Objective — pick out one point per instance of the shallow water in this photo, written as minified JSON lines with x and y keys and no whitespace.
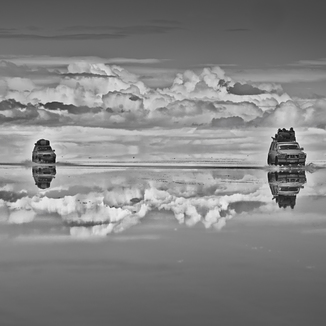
{"x":122,"y":246}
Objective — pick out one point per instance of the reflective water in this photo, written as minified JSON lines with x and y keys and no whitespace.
{"x":125,"y":246}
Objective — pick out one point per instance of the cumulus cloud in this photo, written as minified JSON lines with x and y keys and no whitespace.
{"x":282,"y":114}
{"x":114,"y":96}
{"x":96,"y":94}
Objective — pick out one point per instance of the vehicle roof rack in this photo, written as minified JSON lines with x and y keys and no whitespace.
{"x":284,"y":135}
{"x":43,"y":142}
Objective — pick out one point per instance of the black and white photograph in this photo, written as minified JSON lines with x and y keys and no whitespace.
{"x":162,"y":163}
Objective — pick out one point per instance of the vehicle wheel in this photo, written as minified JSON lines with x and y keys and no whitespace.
{"x":269,"y":161}
{"x":276,"y":161}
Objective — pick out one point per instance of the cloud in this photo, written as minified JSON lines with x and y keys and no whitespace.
{"x":284,"y":74}
{"x":30,"y":62}
{"x":134,"y":60}
{"x":93,"y":94}
{"x":127,"y":30}
{"x":19,"y":84}
{"x":58,"y":37}
{"x":4,"y":30}
{"x":282,"y":114}
{"x":70,"y":108}
{"x":230,"y":122}
{"x":309,"y":63}
{"x":85,"y":32}
{"x":244,"y":89}
{"x":10,"y":69}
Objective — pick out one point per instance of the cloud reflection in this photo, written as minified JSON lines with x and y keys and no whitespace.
{"x":98,"y":202}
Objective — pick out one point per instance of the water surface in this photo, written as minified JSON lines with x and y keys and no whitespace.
{"x":122,"y":246}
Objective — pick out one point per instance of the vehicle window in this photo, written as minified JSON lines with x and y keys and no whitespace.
{"x":289,"y":188}
{"x":292,"y":146}
{"x":44,"y":148}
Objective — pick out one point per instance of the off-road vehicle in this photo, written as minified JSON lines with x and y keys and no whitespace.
{"x":285,"y":150}
{"x":43,"y":152}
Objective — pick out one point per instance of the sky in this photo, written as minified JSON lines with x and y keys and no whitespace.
{"x":161,"y":80}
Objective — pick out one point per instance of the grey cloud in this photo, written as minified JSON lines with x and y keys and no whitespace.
{"x":9,"y":69}
{"x":230,"y":122}
{"x":133,"y":61}
{"x":104,"y":32}
{"x":85,"y":36}
{"x":10,"y":104}
{"x":86,"y":74}
{"x":57,"y":106}
{"x":134,"y":98}
{"x":126,"y":30}
{"x":244,"y":89}
{"x":27,"y":114}
{"x":7,"y":30}
{"x":20,"y":117}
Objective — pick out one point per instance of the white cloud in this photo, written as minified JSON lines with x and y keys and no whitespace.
{"x":19,"y":84}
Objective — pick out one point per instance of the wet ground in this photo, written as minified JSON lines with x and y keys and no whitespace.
{"x":151,"y":246}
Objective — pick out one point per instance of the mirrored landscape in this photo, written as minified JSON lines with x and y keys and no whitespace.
{"x":98,"y":245}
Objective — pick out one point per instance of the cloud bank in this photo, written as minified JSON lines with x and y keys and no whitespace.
{"x":108,"y":96}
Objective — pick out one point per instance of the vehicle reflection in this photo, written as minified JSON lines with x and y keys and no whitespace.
{"x":43,"y":175}
{"x":285,"y":185}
